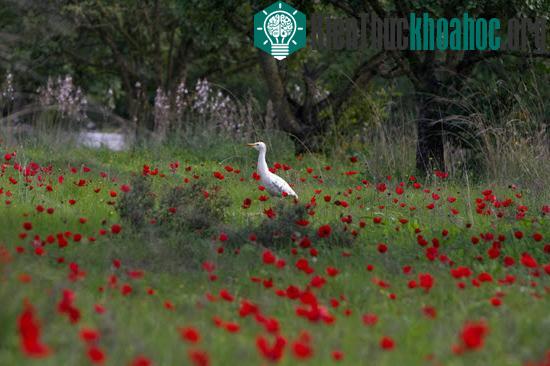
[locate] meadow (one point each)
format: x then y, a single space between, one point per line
421 234
163 256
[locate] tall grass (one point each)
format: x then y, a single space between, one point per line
496 131
503 136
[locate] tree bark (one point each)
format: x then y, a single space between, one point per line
285 115
429 147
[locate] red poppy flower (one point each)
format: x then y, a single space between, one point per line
429 311
496 301
528 261
387 343
268 257
30 334
198 358
141 361
381 187
370 319
232 327
271 352
324 231
89 335
537 236
100 309
126 289
302 350
426 281
190 334
317 281
247 308
116 228
270 213
473 334
246 203
218 175
96 355
66 306
337 355
226 295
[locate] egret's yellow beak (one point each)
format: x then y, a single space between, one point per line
250 145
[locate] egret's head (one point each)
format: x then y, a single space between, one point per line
260 146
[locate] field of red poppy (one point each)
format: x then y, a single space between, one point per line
149 258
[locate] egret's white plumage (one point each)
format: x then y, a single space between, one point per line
274 184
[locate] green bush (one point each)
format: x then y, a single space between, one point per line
193 207
136 206
275 232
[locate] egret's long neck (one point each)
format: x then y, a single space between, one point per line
262 164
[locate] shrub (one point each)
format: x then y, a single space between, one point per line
137 205
275 232
192 207
183 214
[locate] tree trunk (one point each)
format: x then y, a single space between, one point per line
429 146
285 116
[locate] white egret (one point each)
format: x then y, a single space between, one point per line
274 184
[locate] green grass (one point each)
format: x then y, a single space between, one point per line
139 324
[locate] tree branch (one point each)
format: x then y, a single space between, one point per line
360 79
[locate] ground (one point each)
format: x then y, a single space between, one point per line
395 270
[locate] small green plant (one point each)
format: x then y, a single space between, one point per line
176 222
291 221
275 232
137 205
193 207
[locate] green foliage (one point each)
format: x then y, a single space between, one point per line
175 222
361 114
192 207
174 211
137 206
275 232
